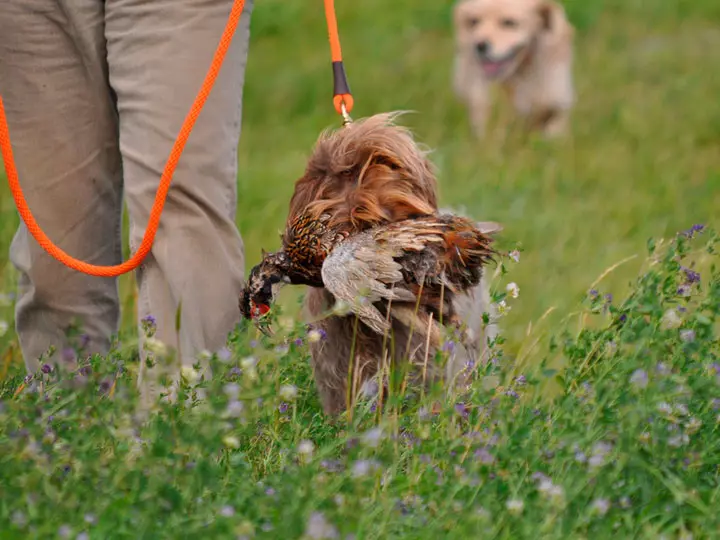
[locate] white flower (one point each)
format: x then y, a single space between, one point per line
678 440
232 390
190 374
4 327
502 307
515 255
231 441
664 408
319 528
288 392
513 289
248 362
670 320
639 378
227 511
600 506
305 448
515 506
372 437
314 336
156 346
693 426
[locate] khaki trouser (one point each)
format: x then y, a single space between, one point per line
95 93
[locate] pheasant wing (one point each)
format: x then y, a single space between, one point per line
360 272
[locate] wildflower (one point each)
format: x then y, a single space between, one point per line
316 335
83 536
670 319
580 457
234 408
4 327
372 437
664 408
90 519
681 409
693 426
363 467
449 346
515 255
227 511
593 293
319 528
64 531
600 507
678 440
283 407
148 325
305 448
483 456
599 453
46 368
231 441
232 390
684 290
224 355
248 362
288 392
190 374
18 519
691 276
502 307
424 414
715 404
662 368
688 336
513 289
515 506
639 378
462 410
625 502
156 346
298 342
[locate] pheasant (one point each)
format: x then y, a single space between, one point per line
424 260
370 186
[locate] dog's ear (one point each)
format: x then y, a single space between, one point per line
552 15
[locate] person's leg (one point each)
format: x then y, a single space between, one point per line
159 53
63 126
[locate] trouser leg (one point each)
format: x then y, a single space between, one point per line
159 53
53 80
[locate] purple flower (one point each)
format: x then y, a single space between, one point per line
512 393
68 354
462 410
298 342
283 407
691 276
683 290
594 292
608 297
521 379
448 347
483 456
148 325
46 368
224 354
235 371
623 318
639 378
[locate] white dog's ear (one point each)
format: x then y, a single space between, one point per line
552 15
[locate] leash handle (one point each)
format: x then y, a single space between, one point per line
342 97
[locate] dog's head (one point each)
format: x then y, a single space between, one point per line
370 172
502 33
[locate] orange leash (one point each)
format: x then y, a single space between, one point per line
342 100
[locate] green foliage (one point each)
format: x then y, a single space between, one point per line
628 447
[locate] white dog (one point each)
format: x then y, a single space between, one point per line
526 47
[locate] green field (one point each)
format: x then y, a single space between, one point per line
642 161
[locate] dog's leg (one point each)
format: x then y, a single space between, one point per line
479 108
556 125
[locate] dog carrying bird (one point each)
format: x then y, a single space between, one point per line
364 231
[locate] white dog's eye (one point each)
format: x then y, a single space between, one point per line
509 23
472 22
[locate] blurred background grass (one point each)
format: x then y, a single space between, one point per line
643 159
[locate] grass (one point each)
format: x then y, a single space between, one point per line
643 161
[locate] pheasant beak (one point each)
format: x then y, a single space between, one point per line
258 312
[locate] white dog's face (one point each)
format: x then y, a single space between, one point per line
500 32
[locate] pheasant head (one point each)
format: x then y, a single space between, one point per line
263 284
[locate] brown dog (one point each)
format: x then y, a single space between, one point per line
525 46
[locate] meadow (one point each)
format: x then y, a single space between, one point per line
599 415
